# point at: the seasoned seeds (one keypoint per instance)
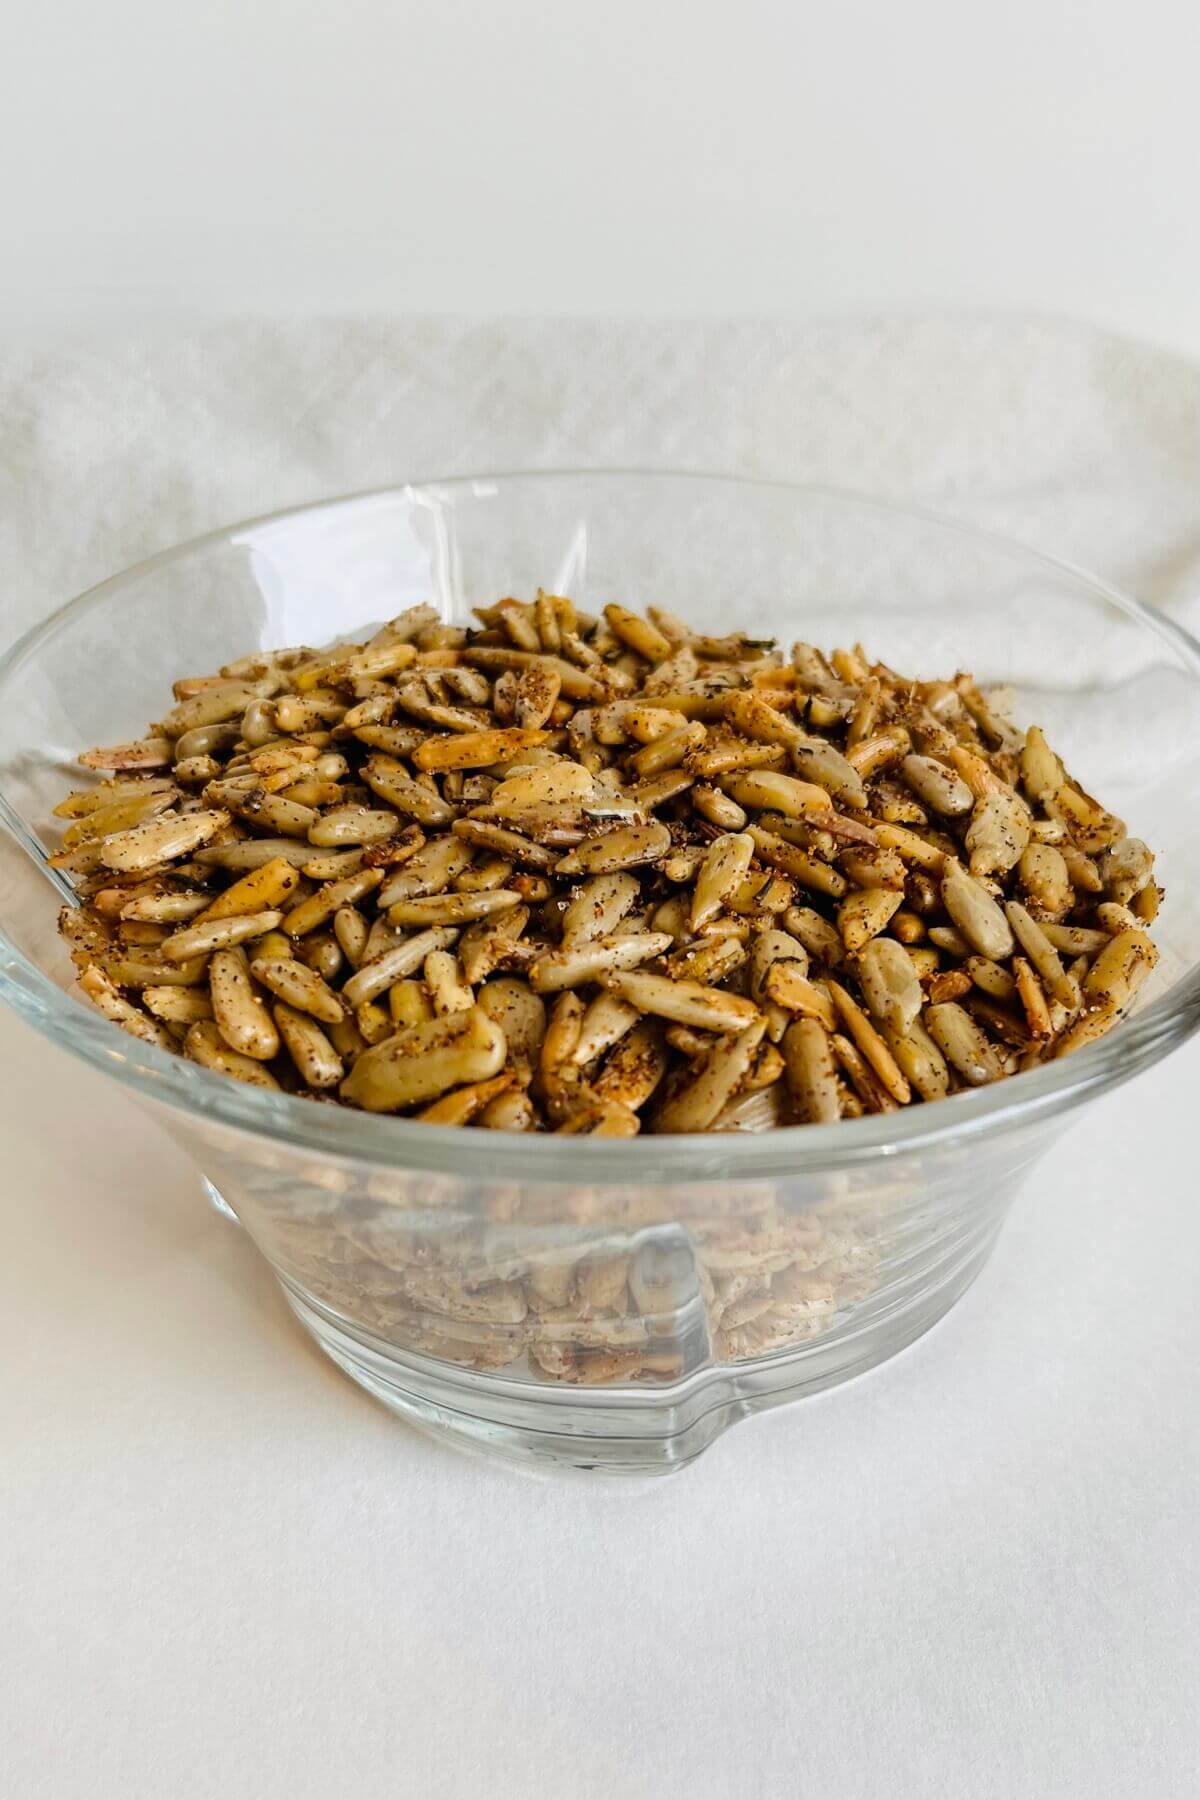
(599, 876)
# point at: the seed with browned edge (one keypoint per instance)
(864, 913)
(695, 1104)
(726, 863)
(811, 1071)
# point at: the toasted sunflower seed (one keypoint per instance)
(161, 840)
(687, 1002)
(586, 962)
(976, 914)
(418, 1065)
(238, 1008)
(205, 1045)
(217, 934)
(962, 1043)
(889, 984)
(623, 813)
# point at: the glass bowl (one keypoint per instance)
(597, 1303)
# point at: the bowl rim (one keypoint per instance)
(345, 1135)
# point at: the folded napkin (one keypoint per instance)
(1057, 433)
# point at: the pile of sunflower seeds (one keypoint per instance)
(599, 875)
(541, 1286)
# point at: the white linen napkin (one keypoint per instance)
(1078, 442)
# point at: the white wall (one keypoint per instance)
(625, 155)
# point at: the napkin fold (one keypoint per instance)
(1079, 442)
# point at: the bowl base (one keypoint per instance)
(627, 1431)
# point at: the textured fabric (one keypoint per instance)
(1083, 444)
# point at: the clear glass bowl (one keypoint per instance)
(588, 1302)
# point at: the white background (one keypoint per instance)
(224, 1572)
(640, 156)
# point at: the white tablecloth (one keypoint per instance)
(226, 1572)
